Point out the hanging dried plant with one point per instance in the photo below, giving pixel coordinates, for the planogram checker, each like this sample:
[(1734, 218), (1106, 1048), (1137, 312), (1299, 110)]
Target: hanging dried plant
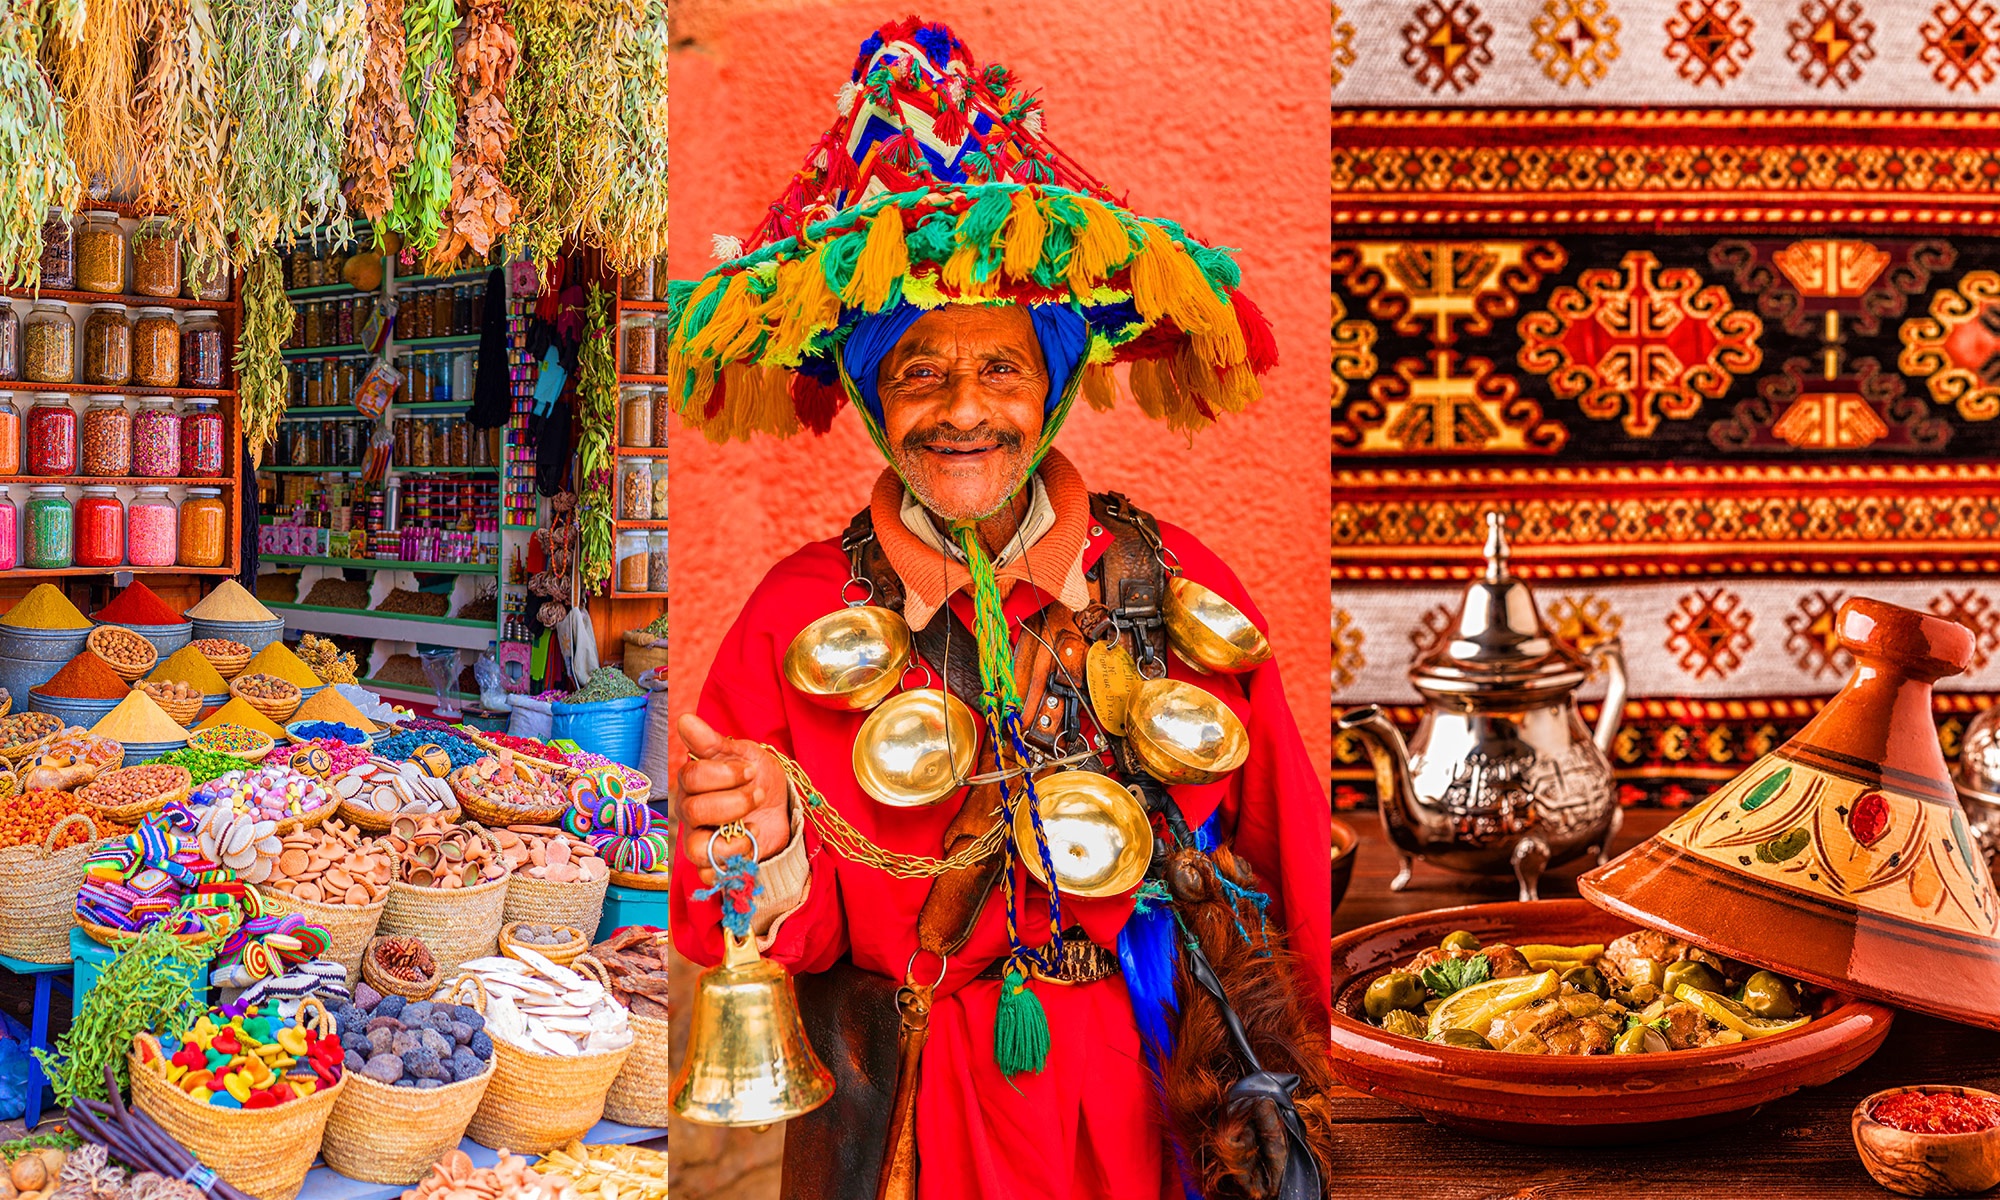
[(381, 137), (159, 95), (35, 171), (481, 208), (423, 186), (185, 128), (562, 164), (260, 360), (632, 224), (95, 70)]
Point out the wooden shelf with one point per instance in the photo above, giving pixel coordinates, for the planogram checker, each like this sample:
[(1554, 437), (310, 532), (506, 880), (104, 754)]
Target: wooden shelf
[(115, 481), (637, 595), (71, 297), (72, 572), (644, 305), (320, 290), (646, 380), (399, 627), (623, 524), (381, 564), (640, 452), (450, 339), (325, 351), (308, 412), (114, 389)]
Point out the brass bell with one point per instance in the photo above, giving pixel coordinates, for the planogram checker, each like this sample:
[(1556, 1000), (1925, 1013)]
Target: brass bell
[(1183, 734), (916, 749), (1099, 838), (849, 660), (1210, 633), (748, 1061)]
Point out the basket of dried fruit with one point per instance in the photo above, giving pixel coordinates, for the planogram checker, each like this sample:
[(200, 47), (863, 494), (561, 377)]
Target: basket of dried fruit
[(635, 958), (250, 745), (400, 965), (227, 657), (336, 878), (127, 654), (129, 793), (45, 845), (177, 698), (449, 889), (509, 790), (22, 734), (276, 698), (71, 759), (557, 943)]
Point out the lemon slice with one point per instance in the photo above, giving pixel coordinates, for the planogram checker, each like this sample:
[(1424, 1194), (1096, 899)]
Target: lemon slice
[(1475, 1007), (1731, 1015), (1579, 955)]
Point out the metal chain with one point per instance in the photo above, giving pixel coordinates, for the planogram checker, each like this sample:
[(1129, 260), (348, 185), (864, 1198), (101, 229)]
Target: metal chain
[(851, 843)]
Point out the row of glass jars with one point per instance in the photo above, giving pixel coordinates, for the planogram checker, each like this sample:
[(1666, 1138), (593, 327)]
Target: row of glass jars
[(643, 416), (91, 256), (642, 491), (99, 530), (153, 349), (160, 440), (642, 343), (642, 561)]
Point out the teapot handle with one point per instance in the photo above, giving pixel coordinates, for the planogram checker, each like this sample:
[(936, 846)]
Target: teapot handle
[(1611, 652)]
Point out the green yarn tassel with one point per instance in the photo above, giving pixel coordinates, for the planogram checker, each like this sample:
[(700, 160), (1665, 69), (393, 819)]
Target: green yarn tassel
[(1020, 1027), (989, 628)]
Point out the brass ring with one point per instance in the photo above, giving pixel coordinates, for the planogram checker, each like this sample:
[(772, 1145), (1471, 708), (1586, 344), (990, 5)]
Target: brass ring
[(733, 829)]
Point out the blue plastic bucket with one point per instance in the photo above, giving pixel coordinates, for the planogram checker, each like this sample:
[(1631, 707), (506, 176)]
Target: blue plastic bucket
[(72, 710), (614, 728)]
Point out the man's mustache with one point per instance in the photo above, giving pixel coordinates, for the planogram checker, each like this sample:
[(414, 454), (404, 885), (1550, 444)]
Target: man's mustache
[(939, 435)]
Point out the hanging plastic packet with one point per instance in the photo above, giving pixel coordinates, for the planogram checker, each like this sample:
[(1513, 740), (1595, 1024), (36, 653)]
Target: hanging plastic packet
[(441, 668), (375, 463), (378, 387)]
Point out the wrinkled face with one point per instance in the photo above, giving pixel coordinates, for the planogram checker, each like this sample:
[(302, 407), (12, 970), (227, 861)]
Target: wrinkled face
[(962, 400)]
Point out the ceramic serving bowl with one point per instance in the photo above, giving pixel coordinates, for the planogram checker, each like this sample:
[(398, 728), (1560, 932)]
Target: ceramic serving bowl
[(1570, 1101), (1345, 843), (1927, 1164)]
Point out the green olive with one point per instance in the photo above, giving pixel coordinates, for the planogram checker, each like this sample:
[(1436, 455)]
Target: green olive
[(1640, 1039), (1397, 989), (1587, 979), (1460, 940), (1697, 975), (1407, 1023), (1464, 1037), (1767, 995), (1645, 970), (1639, 995)]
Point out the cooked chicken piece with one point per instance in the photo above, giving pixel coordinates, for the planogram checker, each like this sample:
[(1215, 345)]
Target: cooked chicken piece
[(1685, 1027), (1661, 948), (1502, 962), (1572, 1023)]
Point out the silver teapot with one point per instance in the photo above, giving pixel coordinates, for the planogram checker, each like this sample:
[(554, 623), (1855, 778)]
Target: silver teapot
[(1978, 778), (1501, 774)]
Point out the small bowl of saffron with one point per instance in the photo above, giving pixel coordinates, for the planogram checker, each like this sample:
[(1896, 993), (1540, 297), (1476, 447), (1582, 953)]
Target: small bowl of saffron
[(1930, 1140)]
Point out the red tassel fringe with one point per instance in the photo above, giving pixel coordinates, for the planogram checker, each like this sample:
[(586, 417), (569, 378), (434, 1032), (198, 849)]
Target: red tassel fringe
[(1259, 343), (815, 403)]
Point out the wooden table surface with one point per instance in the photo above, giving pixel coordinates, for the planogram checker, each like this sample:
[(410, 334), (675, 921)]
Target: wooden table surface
[(1795, 1147)]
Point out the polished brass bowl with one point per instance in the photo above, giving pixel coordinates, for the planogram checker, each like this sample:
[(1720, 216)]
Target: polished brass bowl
[(849, 660), (916, 749), (1098, 835), (1210, 632), (1183, 734)]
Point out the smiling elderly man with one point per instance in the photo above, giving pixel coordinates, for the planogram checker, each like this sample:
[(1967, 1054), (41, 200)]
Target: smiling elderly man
[(959, 283)]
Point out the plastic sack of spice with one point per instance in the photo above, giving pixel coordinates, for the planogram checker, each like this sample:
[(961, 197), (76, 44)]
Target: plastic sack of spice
[(653, 759), (377, 388), (530, 718), (375, 463)]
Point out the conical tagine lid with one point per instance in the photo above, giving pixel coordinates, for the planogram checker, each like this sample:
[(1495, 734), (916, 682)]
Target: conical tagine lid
[(1842, 857)]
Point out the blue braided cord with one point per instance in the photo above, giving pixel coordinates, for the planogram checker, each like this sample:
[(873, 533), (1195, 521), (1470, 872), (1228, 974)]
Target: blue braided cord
[(736, 881), (1148, 958), (1239, 895), (1018, 951), (1012, 722)]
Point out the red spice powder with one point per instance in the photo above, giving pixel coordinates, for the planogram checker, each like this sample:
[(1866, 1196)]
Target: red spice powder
[(1936, 1112), (86, 677), (138, 605)]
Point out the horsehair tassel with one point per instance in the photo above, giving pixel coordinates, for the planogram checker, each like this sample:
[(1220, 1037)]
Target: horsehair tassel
[(1020, 1026)]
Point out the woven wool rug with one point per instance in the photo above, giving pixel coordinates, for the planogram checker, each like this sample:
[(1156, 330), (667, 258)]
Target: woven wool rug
[(1704, 297)]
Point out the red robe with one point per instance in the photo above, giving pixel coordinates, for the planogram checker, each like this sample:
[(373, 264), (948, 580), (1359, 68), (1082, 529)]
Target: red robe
[(1089, 1125)]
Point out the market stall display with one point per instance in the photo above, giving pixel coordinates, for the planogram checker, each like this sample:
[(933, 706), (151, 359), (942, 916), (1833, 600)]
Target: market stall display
[(559, 1041), (450, 889), (45, 842)]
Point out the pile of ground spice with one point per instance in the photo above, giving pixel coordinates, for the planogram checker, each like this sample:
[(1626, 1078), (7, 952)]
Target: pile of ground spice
[(45, 608), (239, 712), (187, 665), (138, 720), (330, 705), (230, 601), (85, 677), (138, 605), (278, 659)]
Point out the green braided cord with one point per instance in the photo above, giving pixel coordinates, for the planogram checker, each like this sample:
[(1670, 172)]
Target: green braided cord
[(996, 657)]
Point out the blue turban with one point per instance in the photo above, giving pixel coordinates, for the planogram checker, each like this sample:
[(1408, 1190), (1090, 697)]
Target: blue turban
[(1063, 332)]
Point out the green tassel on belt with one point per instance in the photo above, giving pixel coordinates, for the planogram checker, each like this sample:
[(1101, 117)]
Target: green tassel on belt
[(1020, 1026)]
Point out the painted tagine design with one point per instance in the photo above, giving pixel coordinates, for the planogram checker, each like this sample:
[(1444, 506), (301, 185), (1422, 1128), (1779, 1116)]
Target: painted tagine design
[(1842, 857)]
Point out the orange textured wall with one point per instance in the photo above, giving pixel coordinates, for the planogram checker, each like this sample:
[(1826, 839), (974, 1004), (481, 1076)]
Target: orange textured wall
[(1212, 113)]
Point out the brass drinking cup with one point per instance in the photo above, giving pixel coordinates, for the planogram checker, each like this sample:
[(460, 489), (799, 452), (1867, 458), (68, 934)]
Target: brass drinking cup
[(916, 749), (1098, 835), (1210, 632), (849, 660), (1183, 734)]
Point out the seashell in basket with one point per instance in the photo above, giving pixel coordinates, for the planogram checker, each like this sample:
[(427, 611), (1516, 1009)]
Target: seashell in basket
[(127, 654)]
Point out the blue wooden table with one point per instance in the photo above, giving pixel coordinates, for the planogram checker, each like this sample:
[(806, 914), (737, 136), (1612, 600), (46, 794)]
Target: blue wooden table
[(47, 977), (323, 1183)]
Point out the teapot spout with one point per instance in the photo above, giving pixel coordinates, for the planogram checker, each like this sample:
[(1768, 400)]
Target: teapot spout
[(1396, 789)]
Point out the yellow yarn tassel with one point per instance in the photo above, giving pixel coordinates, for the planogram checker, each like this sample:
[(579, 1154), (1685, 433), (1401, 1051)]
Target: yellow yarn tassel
[(1026, 227), (735, 309), (957, 276), (1102, 245), (758, 400), (809, 307), (885, 258), (1167, 282), (1100, 387)]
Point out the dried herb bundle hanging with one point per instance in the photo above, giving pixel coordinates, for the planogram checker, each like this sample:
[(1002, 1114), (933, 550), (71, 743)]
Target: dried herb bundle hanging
[(186, 128), (158, 97), (260, 362), (596, 411), (381, 137), (36, 173), (561, 166), (423, 187), (632, 225), (95, 70), (481, 208)]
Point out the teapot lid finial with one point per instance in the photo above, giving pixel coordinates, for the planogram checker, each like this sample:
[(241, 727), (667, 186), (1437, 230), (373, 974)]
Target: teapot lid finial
[(1497, 550)]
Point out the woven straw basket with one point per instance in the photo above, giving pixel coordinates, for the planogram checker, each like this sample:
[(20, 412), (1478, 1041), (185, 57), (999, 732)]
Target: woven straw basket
[(561, 956), (183, 711), (642, 1094), (128, 813), (311, 820), (266, 1152), (539, 1102), (349, 928), (124, 671), (456, 923), (388, 984), (578, 905), (279, 710), (384, 1134), (367, 819), (472, 799), (40, 885), (229, 666)]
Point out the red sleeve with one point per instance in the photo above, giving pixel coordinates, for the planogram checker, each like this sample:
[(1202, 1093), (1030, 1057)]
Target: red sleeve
[(1277, 812)]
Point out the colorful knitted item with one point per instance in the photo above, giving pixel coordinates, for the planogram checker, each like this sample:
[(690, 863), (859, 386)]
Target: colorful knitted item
[(938, 186)]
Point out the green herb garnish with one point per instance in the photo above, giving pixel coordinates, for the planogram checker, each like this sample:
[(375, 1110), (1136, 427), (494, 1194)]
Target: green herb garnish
[(1457, 974)]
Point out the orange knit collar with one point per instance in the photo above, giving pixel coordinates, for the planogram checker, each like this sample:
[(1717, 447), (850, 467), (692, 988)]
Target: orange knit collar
[(929, 579)]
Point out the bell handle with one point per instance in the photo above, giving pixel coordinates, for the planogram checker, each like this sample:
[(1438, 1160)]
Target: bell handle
[(1611, 652), (736, 952)]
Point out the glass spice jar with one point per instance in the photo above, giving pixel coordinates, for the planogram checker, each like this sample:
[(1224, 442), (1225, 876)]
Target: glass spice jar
[(663, 415), (51, 530), (639, 284), (100, 254), (663, 343), (201, 350), (156, 439), (10, 341), (660, 490), (421, 448), (48, 344), (635, 416), (201, 439), (344, 331), (632, 562), (58, 251), (152, 529), (52, 435), (301, 266), (204, 526), (156, 348), (10, 436), (656, 561), (310, 315), (10, 534), (100, 528), (441, 314), (211, 286), (107, 438), (459, 453), (156, 258), (635, 331), (635, 490), (107, 345)]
